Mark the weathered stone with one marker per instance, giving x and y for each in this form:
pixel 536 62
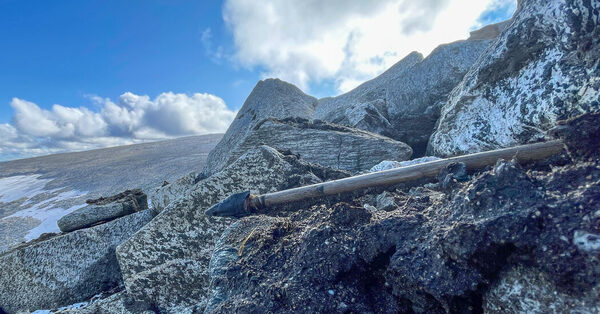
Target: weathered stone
pixel 104 209
pixel 526 290
pixel 164 195
pixel 166 263
pixel 543 68
pixel 326 144
pixel 269 98
pixel 65 269
pixel 404 102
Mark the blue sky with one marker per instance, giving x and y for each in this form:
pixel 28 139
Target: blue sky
pixel 84 74
pixel 56 52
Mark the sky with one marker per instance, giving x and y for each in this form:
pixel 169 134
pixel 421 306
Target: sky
pixel 77 75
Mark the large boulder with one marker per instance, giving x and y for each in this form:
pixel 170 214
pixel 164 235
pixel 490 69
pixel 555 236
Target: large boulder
pixel 543 68
pixel 404 102
pixel 104 209
pixel 65 269
pixel 439 251
pixel 326 144
pixel 166 263
pixel 269 98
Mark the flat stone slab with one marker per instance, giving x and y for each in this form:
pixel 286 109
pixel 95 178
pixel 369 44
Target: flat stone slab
pixel 104 209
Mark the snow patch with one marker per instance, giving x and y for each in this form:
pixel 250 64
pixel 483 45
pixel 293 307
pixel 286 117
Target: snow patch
pixel 18 187
pixel 47 211
pixel 391 164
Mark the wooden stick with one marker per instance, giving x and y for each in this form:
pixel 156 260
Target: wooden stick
pixel 523 153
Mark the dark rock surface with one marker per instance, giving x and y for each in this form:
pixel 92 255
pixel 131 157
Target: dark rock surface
pixel 404 102
pixel 166 263
pixel 269 98
pixel 104 209
pixel 323 143
pixel 65 269
pixel 544 67
pixel 440 250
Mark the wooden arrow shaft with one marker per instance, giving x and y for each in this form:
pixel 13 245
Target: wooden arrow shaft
pixel 524 153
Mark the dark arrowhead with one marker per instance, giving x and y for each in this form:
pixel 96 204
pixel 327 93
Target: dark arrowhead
pixel 233 206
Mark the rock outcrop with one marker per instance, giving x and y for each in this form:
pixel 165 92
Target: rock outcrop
pixel 440 250
pixel 404 102
pixel 323 143
pixel 65 269
pixel 544 67
pixel 269 98
pixel 104 209
pixel 166 263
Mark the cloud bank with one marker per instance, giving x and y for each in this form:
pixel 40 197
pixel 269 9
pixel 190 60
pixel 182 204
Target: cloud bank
pixel 132 119
pixel 347 41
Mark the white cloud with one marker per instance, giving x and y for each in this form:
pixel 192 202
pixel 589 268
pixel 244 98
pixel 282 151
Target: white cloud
pixel 348 41
pixel 132 119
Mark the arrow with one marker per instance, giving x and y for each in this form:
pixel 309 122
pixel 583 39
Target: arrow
pixel 243 204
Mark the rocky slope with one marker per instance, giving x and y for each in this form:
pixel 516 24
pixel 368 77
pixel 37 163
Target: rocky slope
pixel 36 192
pixel 459 248
pixel 513 237
pixel 544 67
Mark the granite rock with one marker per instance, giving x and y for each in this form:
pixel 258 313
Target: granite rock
pixel 543 68
pixel 323 143
pixel 404 102
pixel 65 269
pixel 269 98
pixel 166 263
